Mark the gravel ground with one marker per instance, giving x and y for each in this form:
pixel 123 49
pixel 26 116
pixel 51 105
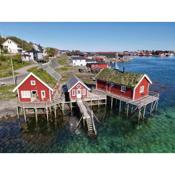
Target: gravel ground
pixel 7 108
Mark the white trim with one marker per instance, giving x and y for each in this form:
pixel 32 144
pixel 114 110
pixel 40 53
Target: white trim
pixel 25 94
pixel 144 76
pixel 33 82
pixel 27 78
pixel 50 95
pixel 142 89
pixel 42 94
pixel 77 83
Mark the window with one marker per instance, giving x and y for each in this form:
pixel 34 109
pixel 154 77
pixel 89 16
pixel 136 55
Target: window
pixel 43 94
pixel 142 89
pixel 33 83
pixel 73 92
pixel 123 89
pixel 25 94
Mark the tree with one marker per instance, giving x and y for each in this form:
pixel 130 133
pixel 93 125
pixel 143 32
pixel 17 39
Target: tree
pixel 51 52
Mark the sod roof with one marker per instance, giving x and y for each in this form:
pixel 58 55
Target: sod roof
pixel 129 79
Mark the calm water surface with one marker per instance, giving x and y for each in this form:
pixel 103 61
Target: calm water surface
pixel 115 133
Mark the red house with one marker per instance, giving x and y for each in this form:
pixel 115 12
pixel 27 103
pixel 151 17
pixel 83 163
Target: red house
pixel 126 84
pixel 77 89
pixel 33 89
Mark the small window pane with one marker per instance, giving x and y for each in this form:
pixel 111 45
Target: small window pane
pixel 33 82
pixel 123 88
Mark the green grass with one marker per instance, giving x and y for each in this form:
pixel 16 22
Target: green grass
pixel 64 69
pixel 6 92
pixel 43 75
pixel 63 60
pixel 5 64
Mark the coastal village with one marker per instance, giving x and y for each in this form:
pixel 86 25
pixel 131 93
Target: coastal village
pixel 36 80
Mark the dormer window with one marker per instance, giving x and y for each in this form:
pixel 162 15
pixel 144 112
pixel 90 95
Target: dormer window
pixel 123 89
pixel 33 82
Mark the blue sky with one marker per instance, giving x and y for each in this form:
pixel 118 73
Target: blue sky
pixel 96 36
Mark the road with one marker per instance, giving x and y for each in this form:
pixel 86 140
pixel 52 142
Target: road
pixel 22 72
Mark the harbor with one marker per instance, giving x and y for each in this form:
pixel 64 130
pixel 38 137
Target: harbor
pixel 114 128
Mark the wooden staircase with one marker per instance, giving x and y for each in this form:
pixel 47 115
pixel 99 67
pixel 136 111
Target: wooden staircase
pixel 88 116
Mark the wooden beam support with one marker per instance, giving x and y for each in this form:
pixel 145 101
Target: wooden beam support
pixel 24 111
pixel 17 109
pixel 47 114
pixel 55 112
pixel 111 102
pixel 127 109
pixel 120 105
pixel 36 115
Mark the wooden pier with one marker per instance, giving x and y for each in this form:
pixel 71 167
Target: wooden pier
pixel 57 103
pixel 97 97
pixel 134 106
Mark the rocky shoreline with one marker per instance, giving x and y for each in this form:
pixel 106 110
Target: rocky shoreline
pixel 7 108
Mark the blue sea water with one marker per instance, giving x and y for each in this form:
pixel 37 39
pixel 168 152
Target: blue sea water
pixel 116 133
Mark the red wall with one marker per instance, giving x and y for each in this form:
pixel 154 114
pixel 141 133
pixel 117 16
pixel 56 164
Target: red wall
pixel 26 86
pixel 79 85
pixel 144 83
pixel 115 89
pixel 99 66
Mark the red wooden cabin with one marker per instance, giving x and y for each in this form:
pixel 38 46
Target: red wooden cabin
pixel 33 89
pixel 125 84
pixel 98 65
pixel 77 89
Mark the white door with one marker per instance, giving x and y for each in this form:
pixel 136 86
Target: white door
pixel 79 93
pixel 33 96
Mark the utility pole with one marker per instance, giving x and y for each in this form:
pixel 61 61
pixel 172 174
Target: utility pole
pixel 12 70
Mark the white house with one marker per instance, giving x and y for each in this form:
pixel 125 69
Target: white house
pixel 27 56
pixel 79 61
pixel 11 46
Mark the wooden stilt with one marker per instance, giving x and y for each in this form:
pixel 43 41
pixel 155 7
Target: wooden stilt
pixel 17 112
pixel 144 110
pixel 36 115
pixel 120 106
pixel 47 114
pixel 151 108
pixel 111 102
pixel 127 109
pixel 55 111
pixel 139 115
pixel 24 111
pixel 157 105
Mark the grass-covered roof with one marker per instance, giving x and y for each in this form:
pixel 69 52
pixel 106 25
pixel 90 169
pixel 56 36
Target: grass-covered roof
pixel 129 79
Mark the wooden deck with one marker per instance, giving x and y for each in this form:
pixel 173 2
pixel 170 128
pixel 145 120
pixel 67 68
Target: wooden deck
pixel 152 97
pixel 60 100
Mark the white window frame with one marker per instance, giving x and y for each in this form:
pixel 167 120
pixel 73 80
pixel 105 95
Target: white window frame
pixel 43 96
pixel 142 89
pixel 123 88
pixel 73 92
pixel 25 94
pixel 33 82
